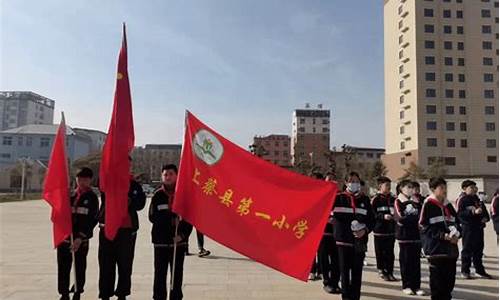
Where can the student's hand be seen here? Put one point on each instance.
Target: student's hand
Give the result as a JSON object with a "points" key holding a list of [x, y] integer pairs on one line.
{"points": [[454, 240], [76, 244], [176, 222], [359, 234], [478, 211], [388, 217], [177, 239]]}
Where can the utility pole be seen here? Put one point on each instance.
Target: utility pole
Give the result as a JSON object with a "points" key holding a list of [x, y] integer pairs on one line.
{"points": [[23, 176]]}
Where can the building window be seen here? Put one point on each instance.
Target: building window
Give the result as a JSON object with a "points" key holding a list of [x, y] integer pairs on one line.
{"points": [[460, 14], [302, 121], [461, 77], [44, 142], [492, 159], [432, 142], [448, 77], [401, 130], [402, 114], [487, 45], [428, 28], [448, 93], [430, 93], [450, 126], [302, 129], [460, 30], [403, 160], [463, 126], [446, 13], [447, 29], [400, 24], [448, 45], [461, 61], [402, 145], [19, 140], [430, 76], [5, 155], [485, 13], [460, 46], [461, 94], [401, 54], [401, 99], [486, 29], [29, 141], [430, 60], [450, 161], [487, 61], [489, 94], [429, 44], [463, 143], [462, 110], [430, 109], [450, 110], [490, 126], [428, 12], [491, 143], [401, 84], [7, 141], [431, 125], [324, 129], [489, 110], [488, 77], [448, 61], [450, 143]]}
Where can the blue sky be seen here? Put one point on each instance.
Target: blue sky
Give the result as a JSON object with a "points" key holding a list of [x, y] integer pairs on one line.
{"points": [[241, 66]]}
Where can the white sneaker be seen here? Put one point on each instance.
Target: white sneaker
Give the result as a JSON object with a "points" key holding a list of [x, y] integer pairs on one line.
{"points": [[408, 291], [311, 276], [420, 293]]}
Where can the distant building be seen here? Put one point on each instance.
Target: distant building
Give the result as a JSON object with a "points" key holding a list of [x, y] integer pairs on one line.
{"points": [[274, 148], [148, 160], [97, 137], [311, 135], [18, 108]]}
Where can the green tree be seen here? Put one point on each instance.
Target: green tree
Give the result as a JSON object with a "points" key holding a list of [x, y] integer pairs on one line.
{"points": [[437, 168], [414, 172]]}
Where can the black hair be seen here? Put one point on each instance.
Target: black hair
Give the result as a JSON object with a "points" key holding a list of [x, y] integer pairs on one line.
{"points": [[467, 183], [383, 179], [85, 173], [434, 182], [169, 167], [317, 175], [415, 184], [352, 174], [405, 182]]}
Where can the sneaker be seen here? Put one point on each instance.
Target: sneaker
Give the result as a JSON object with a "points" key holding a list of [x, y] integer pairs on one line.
{"points": [[311, 277], [203, 253], [466, 276], [408, 291], [485, 275], [365, 263], [392, 278], [380, 273], [318, 277], [337, 290], [328, 289], [420, 292]]}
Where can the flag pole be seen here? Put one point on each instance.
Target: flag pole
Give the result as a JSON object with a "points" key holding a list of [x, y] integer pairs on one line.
{"points": [[74, 263], [175, 256]]}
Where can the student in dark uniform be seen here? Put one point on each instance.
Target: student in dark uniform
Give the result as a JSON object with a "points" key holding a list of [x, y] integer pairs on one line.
{"points": [[473, 216], [407, 210], [494, 212], [164, 236], [383, 232], [440, 234], [84, 206], [200, 239], [417, 194], [119, 253], [353, 220]]}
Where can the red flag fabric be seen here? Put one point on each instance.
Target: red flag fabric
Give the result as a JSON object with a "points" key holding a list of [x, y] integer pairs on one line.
{"points": [[272, 215], [114, 174], [56, 187]]}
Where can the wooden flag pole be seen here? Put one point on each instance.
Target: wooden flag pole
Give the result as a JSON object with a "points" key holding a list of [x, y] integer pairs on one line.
{"points": [[175, 256]]}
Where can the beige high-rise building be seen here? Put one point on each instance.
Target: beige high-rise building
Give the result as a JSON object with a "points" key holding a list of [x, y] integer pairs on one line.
{"points": [[441, 86]]}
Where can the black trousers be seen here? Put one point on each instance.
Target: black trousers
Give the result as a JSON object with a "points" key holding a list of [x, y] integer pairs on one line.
{"points": [[118, 253], [64, 264], [384, 252], [472, 248], [442, 277], [315, 267], [329, 261], [409, 263], [200, 239], [351, 271], [163, 258]]}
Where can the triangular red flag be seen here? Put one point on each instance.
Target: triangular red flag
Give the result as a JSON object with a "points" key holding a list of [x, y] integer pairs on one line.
{"points": [[114, 175], [56, 187], [272, 215]]}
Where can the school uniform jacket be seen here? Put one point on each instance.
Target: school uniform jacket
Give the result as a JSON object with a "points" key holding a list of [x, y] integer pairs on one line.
{"points": [[407, 214], [84, 212], [466, 204], [383, 205]]}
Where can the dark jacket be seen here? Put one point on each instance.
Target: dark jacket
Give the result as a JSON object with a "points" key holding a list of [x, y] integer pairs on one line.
{"points": [[406, 214], [85, 209], [136, 202], [466, 204], [494, 212], [344, 214], [436, 221], [383, 205], [164, 220]]}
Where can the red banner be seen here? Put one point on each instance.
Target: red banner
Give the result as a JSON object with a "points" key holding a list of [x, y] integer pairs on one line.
{"points": [[267, 213]]}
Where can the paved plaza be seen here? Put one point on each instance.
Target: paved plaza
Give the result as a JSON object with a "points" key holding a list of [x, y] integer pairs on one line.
{"points": [[28, 267]]}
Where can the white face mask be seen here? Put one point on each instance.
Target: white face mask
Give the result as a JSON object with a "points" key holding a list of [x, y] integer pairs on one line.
{"points": [[353, 187]]}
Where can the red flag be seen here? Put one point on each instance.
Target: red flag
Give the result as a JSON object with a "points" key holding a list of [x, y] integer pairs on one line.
{"points": [[56, 187], [114, 175], [260, 210]]}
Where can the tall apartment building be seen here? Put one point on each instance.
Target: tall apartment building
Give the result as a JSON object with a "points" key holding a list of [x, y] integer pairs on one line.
{"points": [[311, 135], [274, 148], [148, 160], [441, 86], [24, 108]]}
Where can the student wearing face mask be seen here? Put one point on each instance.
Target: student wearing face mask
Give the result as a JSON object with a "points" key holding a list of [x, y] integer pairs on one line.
{"points": [[407, 210], [440, 232], [352, 221], [383, 232]]}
